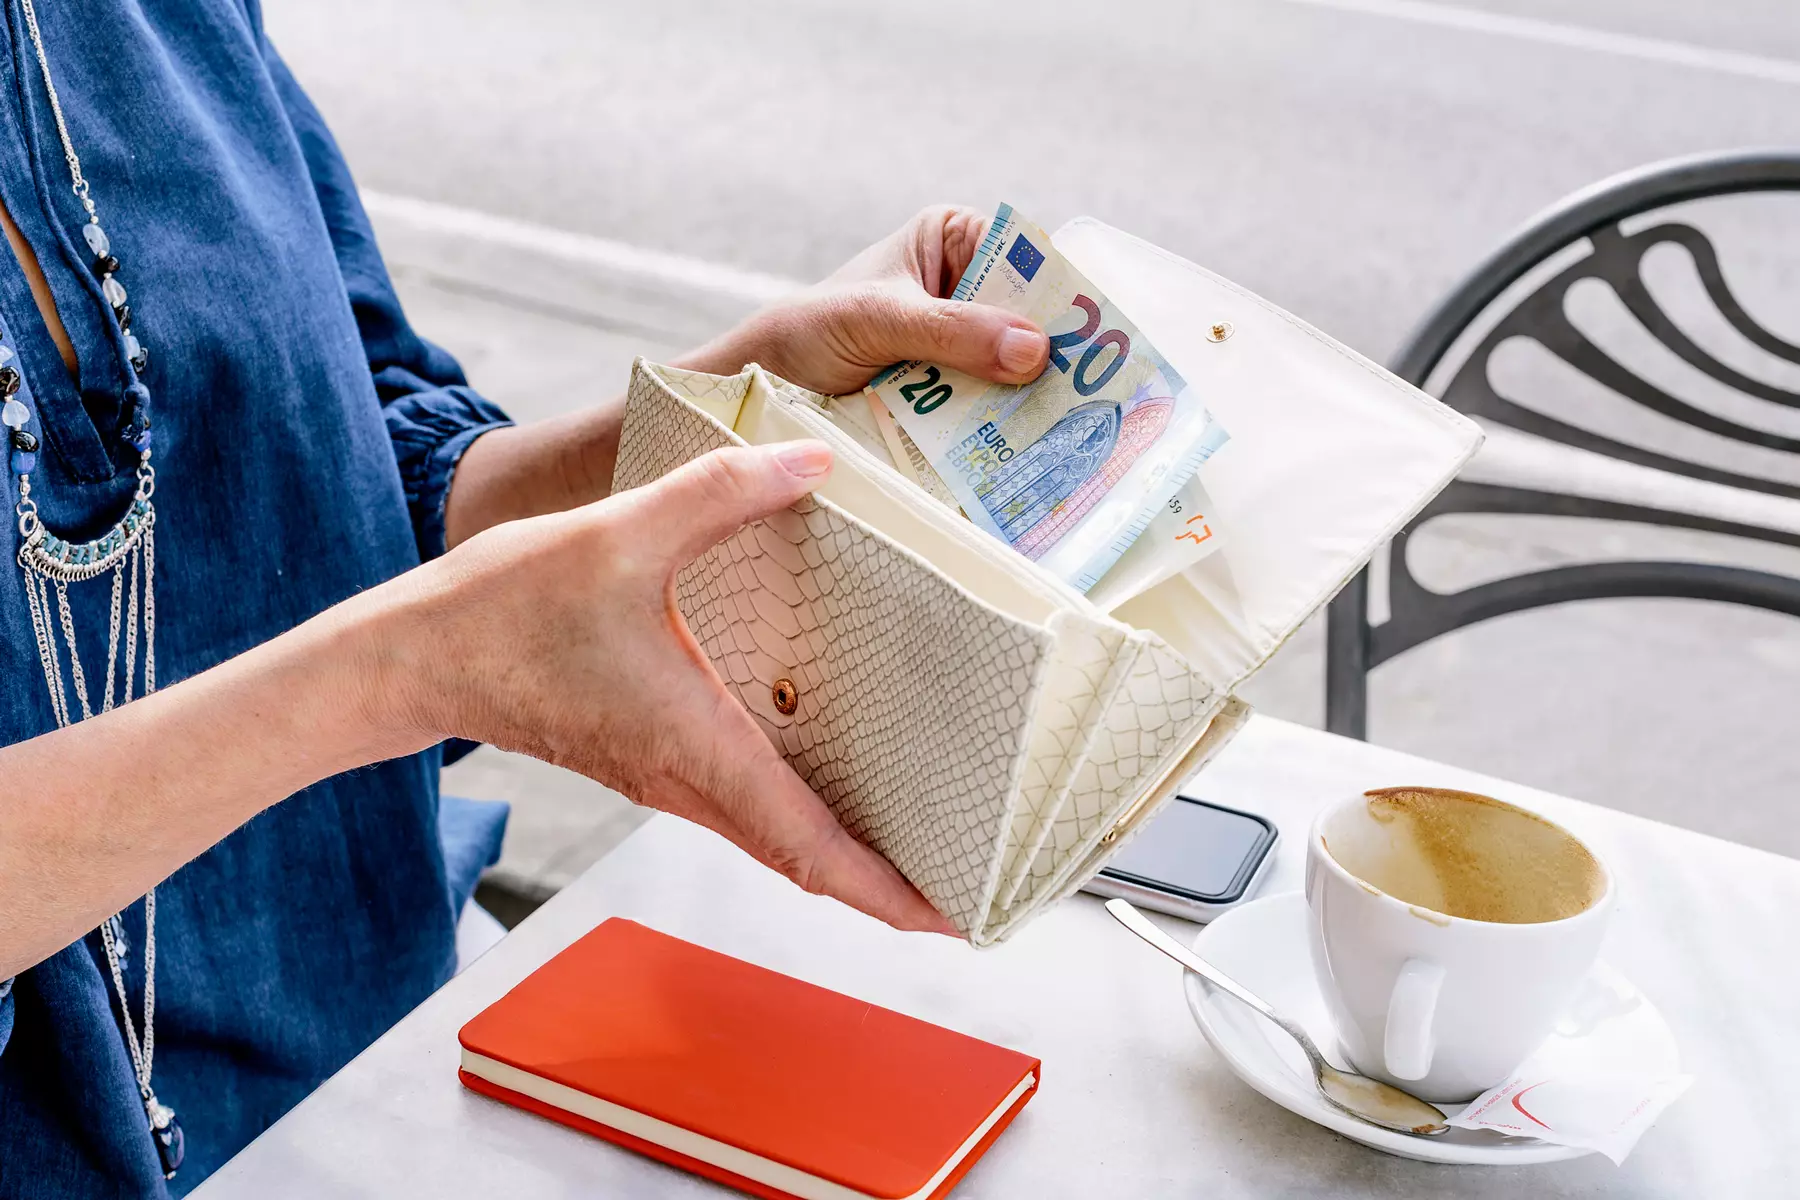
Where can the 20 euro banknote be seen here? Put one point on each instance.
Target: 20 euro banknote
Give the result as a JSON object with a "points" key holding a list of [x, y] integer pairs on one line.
{"points": [[1071, 468]]}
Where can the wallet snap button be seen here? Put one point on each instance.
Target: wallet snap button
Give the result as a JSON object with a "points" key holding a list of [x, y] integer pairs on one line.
{"points": [[786, 697]]}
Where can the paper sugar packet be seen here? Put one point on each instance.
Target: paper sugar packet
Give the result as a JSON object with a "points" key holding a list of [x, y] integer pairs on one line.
{"points": [[1604, 1112]]}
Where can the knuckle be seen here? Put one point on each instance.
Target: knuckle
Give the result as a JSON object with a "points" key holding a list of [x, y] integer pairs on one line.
{"points": [[863, 322], [934, 216], [613, 546], [866, 308], [722, 478], [942, 327], [801, 865]]}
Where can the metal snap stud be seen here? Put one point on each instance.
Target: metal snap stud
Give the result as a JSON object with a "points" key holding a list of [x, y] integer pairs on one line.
{"points": [[1219, 332], [786, 697]]}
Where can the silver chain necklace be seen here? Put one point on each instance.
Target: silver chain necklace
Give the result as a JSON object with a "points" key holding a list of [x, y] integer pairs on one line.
{"points": [[127, 552]]}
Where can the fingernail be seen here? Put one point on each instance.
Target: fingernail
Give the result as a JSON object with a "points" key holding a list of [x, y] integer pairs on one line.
{"points": [[805, 460], [1021, 350]]}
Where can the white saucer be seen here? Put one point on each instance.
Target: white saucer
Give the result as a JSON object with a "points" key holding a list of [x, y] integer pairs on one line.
{"points": [[1263, 945]]}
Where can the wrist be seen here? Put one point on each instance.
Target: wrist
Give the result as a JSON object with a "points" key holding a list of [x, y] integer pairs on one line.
{"points": [[522, 471], [749, 341], [379, 642]]}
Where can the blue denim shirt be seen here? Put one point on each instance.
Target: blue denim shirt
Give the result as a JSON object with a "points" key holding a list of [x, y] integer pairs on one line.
{"points": [[305, 441]]}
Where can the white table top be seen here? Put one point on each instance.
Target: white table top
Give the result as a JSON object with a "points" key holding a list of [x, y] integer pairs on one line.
{"points": [[1133, 1102]]}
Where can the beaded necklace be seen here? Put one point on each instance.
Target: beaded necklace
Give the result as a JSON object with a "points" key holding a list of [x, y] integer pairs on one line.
{"points": [[126, 552]]}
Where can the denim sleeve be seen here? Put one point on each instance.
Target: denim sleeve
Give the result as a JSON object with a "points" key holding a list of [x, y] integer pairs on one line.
{"points": [[6, 1013], [432, 414]]}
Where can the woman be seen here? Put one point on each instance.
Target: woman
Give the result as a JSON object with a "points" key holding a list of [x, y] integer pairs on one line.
{"points": [[226, 478]]}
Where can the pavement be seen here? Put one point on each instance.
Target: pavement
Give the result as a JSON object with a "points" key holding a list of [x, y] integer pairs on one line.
{"points": [[561, 185]]}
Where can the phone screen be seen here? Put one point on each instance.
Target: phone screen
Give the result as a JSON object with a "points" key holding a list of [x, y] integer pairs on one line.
{"points": [[1196, 848]]}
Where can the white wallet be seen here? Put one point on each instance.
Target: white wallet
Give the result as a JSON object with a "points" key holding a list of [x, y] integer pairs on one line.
{"points": [[984, 726]]}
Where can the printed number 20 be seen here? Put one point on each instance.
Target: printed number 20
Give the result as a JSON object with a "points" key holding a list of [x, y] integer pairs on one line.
{"points": [[934, 393], [1113, 337]]}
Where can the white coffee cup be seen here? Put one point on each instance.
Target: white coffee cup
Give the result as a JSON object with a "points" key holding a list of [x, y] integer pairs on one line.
{"points": [[1449, 930]]}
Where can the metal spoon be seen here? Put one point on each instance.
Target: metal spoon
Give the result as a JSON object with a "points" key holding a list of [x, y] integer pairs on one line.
{"points": [[1363, 1098]]}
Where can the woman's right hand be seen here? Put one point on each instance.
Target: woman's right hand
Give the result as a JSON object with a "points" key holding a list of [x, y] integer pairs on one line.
{"points": [[559, 637]]}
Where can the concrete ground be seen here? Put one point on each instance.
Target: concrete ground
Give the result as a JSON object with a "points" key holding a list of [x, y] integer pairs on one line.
{"points": [[1346, 158]]}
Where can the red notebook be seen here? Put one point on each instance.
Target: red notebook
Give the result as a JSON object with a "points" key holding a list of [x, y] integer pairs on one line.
{"points": [[746, 1076]]}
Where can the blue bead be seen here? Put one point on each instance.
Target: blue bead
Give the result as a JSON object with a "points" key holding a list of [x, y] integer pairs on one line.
{"points": [[142, 441], [24, 462]]}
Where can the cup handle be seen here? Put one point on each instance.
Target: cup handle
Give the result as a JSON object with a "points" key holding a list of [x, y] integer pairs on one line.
{"points": [[1407, 1046]]}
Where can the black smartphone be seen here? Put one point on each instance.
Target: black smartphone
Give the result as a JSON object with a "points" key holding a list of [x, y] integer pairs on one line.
{"points": [[1195, 860]]}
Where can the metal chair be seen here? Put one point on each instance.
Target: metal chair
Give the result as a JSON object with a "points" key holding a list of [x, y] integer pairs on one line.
{"points": [[1541, 460]]}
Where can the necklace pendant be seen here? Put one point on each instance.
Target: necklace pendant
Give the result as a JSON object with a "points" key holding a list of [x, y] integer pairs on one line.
{"points": [[165, 1131]]}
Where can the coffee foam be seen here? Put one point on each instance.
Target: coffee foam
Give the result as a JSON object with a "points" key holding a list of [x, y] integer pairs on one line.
{"points": [[1468, 856]]}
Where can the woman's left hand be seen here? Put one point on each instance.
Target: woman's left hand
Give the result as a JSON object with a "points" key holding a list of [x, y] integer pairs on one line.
{"points": [[884, 306]]}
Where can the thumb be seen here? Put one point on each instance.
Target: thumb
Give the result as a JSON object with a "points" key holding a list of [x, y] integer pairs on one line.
{"points": [[978, 338], [694, 508]]}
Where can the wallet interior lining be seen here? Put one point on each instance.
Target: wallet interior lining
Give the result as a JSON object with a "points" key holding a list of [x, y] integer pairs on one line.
{"points": [[1329, 454]]}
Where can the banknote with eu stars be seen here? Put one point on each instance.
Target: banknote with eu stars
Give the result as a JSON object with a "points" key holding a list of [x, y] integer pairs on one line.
{"points": [[1071, 468]]}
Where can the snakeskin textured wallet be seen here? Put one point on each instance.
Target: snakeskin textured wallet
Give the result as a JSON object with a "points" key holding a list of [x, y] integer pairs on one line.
{"points": [[990, 730]]}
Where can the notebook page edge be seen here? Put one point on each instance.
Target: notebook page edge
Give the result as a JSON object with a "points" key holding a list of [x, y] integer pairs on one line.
{"points": [[711, 1151]]}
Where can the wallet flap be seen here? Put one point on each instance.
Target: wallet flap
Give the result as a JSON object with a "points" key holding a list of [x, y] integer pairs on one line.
{"points": [[1329, 456]]}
